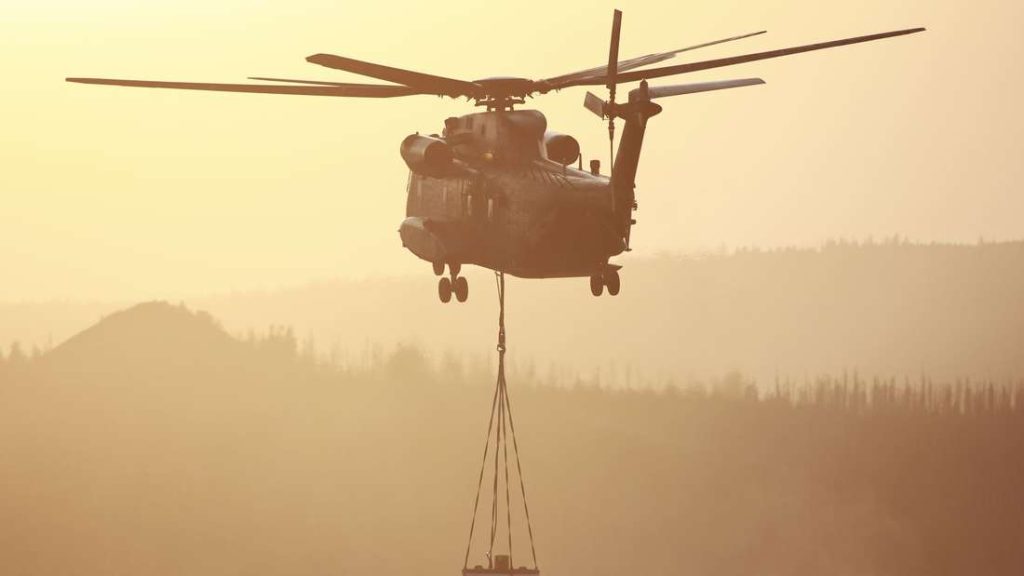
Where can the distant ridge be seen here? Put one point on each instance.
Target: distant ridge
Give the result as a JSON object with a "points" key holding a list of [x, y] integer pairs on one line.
{"points": [[891, 309], [147, 336]]}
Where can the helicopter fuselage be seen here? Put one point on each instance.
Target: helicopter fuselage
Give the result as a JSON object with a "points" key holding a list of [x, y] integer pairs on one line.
{"points": [[504, 204]]}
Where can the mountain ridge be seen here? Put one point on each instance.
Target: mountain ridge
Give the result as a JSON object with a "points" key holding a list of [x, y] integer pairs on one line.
{"points": [[893, 309]]}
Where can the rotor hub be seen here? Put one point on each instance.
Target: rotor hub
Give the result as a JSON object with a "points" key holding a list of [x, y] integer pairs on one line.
{"points": [[503, 92]]}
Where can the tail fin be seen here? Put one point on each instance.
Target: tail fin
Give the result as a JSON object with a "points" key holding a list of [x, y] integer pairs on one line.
{"points": [[636, 113]]}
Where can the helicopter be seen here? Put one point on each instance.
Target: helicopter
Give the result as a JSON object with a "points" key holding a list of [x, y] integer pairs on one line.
{"points": [[497, 188]]}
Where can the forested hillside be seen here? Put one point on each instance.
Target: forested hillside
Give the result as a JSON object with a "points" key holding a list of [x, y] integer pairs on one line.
{"points": [[155, 443]]}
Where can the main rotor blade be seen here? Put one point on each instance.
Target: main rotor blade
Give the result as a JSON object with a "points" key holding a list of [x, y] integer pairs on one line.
{"points": [[309, 82], [645, 60], [427, 83], [344, 90], [662, 56], [680, 89], [720, 62]]}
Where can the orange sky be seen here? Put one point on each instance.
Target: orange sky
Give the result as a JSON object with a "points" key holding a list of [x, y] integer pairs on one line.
{"points": [[128, 193]]}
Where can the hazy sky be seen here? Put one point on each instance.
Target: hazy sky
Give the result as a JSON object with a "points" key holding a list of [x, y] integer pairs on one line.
{"points": [[116, 192]]}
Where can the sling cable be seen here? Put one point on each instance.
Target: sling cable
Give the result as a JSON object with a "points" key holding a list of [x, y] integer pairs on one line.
{"points": [[499, 428]]}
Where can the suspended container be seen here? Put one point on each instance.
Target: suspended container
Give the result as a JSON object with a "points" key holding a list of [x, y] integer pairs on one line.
{"points": [[502, 565]]}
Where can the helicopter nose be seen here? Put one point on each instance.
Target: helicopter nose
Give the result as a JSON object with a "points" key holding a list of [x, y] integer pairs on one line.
{"points": [[420, 241]]}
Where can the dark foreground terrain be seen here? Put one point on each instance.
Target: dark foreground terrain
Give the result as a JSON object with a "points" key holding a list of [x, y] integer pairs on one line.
{"points": [[154, 443]]}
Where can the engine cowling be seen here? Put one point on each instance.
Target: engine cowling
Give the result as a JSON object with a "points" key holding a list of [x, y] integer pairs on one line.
{"points": [[561, 148], [426, 155]]}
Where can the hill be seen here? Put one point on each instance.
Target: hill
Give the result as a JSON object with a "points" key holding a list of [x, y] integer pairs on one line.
{"points": [[891, 310], [155, 337]]}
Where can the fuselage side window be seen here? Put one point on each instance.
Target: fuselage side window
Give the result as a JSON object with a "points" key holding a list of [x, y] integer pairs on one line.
{"points": [[414, 200]]}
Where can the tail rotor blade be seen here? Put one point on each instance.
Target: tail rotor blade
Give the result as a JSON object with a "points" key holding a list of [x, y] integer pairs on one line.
{"points": [[594, 104], [608, 109], [613, 52]]}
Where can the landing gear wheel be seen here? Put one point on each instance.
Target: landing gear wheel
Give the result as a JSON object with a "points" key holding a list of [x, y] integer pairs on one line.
{"points": [[444, 290], [461, 289], [454, 268], [438, 268], [611, 281], [596, 285]]}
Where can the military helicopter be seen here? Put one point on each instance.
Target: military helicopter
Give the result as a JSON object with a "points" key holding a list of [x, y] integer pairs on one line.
{"points": [[497, 188]]}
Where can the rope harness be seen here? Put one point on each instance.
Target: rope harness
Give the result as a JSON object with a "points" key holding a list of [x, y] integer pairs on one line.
{"points": [[500, 425]]}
